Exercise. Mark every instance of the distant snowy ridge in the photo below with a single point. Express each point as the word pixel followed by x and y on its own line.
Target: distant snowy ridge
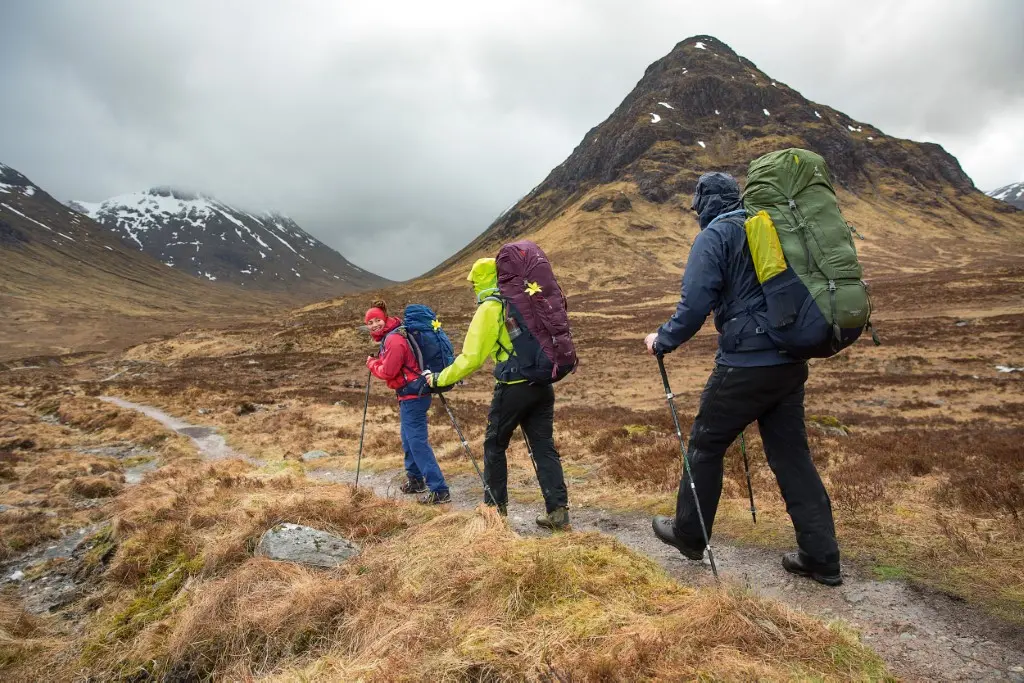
pixel 1012 194
pixel 208 238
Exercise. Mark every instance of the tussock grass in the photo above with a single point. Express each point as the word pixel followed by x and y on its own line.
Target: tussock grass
pixel 24 640
pixel 462 597
pixel 186 526
pixel 433 596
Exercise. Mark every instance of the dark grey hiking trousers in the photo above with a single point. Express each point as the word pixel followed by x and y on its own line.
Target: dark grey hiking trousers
pixel 772 396
pixel 533 407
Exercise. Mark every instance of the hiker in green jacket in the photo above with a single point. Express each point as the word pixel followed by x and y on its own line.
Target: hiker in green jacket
pixel 516 402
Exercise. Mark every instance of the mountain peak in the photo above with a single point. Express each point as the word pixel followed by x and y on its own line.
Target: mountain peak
pixel 175 193
pixel 704 107
pixel 701 42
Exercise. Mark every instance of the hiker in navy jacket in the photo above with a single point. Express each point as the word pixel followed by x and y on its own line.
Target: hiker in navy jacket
pixel 752 381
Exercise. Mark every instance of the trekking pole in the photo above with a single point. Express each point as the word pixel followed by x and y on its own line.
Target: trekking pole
pixel 746 466
pixel 529 452
pixel 362 431
pixel 533 461
pixel 465 445
pixel 670 398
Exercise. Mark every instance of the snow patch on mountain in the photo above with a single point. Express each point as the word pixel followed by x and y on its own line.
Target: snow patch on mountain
pixel 13 210
pixel 1013 194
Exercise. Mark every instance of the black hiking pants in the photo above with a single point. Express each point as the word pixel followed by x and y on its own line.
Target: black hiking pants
pixel 774 397
pixel 533 407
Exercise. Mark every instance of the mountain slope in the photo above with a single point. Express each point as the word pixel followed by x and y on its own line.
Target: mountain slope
pixel 69 285
pixel 620 201
pixel 1012 194
pixel 207 238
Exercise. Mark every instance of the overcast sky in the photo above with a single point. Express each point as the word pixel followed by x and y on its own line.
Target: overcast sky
pixel 396 132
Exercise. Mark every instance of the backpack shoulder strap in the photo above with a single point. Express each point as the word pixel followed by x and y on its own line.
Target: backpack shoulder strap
pixel 501 321
pixel 404 333
pixel 416 351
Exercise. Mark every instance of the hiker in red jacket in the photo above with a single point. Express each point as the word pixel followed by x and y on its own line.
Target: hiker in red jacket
pixel 396 365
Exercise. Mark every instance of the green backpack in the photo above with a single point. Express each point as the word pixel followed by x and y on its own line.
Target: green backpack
pixel 804 256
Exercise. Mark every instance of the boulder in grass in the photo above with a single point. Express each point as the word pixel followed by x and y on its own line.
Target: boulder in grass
pixel 305 545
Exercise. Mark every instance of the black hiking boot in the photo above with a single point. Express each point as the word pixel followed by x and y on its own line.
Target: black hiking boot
pixel 556 520
pixel 413 486
pixel 799 564
pixel 436 498
pixel 665 530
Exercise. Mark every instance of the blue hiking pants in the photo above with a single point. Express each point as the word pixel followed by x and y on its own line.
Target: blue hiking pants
pixel 420 462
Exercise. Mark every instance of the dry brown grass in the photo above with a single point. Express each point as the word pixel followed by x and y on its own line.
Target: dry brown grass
pixel 926 485
pixel 185 525
pixel 24 641
pixel 461 597
pixel 929 419
pixel 433 596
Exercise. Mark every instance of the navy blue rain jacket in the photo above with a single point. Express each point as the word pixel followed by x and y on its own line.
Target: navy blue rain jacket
pixel 720 277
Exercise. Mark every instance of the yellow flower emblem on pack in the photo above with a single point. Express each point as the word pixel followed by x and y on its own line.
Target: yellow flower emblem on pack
pixel 436 324
pixel 532 288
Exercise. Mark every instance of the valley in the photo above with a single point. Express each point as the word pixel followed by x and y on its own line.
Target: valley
pixel 140 474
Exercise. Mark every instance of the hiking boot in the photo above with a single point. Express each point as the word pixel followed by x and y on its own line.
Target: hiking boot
pixel 665 530
pixel 413 486
pixel 556 520
pixel 436 498
pixel 799 564
pixel 503 509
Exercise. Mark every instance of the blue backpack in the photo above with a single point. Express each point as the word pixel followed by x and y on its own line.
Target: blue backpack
pixel 429 343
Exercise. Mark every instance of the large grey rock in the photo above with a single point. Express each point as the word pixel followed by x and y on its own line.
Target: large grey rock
pixel 296 543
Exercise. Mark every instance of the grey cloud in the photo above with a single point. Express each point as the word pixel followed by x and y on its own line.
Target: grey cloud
pixel 397 133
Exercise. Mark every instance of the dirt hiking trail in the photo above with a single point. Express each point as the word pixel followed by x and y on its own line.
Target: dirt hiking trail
pixel 921 634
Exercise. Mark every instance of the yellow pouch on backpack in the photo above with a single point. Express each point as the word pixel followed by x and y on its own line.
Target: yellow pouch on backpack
pixel 765 248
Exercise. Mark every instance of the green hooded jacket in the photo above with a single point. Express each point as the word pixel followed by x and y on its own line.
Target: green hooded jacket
pixel 487 336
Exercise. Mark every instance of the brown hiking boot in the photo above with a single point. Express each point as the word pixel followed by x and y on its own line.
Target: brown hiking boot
pixel 436 498
pixel 413 486
pixel 556 520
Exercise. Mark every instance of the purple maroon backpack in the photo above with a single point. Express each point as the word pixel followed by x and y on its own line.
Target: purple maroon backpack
pixel 535 315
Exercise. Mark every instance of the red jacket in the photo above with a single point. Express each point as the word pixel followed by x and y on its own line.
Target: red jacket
pixel 396 363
